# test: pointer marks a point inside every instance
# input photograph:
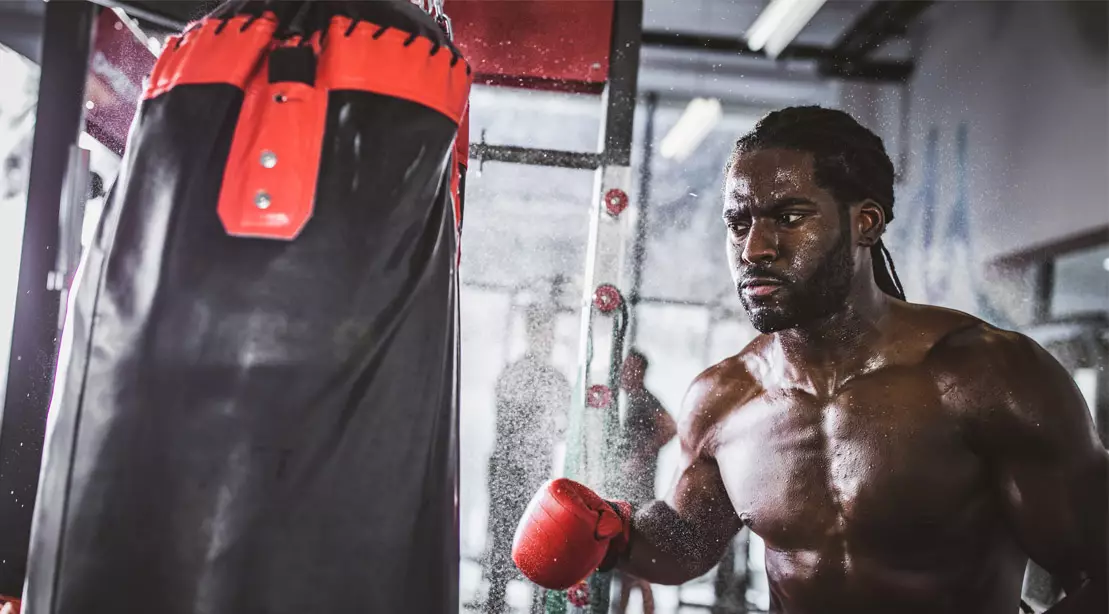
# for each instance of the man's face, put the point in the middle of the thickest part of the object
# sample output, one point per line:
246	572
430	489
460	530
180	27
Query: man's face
789	243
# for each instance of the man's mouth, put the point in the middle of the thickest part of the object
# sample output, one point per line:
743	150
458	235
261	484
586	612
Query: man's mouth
760	286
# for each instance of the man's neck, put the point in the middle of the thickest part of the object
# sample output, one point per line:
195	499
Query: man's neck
828	351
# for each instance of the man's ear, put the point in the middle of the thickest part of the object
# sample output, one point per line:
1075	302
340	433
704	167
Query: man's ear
870	222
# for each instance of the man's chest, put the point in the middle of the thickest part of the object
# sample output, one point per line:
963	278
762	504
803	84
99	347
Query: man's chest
882	463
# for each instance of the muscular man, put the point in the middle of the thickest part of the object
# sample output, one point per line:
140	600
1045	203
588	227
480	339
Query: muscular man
894	457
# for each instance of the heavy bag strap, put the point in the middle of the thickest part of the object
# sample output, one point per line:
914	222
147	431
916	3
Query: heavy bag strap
269	181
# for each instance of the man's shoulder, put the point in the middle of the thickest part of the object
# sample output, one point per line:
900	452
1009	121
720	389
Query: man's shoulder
719	391
946	337
1009	388
962	343
979	366
735	375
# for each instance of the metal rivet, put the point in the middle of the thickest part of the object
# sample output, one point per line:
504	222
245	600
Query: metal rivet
262	200
269	159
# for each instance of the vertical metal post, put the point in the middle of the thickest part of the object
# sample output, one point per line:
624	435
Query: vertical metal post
642	212
607	240
1045	284
594	421
67	41
623	82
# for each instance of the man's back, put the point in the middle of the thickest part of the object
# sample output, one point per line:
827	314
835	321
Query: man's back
871	492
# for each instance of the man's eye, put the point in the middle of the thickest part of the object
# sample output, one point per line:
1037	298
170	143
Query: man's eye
790	218
737	227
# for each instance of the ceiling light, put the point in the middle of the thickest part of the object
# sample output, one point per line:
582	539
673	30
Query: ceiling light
699	118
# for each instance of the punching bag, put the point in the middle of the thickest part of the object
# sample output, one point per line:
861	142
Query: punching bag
256	405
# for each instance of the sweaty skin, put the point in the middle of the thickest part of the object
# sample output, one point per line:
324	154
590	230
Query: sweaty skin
894	457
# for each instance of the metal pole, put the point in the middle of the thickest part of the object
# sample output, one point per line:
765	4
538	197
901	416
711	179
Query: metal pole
623	81
67	41
590	449
639	240
482	153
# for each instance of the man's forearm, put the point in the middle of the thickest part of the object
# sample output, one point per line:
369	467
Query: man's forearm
665	549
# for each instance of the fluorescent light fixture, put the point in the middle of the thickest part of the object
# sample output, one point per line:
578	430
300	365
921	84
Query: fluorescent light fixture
699	118
779	23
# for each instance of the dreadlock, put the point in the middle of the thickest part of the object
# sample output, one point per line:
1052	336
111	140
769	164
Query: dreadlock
848	160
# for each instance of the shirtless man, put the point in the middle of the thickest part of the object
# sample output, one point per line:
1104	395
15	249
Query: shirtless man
894	457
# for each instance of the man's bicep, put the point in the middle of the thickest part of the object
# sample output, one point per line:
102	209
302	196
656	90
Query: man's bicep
699	497
683	537
1050	467
1058	513
699	493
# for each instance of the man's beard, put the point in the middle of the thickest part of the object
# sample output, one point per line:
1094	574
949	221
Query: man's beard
800	301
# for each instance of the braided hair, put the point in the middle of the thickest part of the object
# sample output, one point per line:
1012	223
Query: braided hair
848	160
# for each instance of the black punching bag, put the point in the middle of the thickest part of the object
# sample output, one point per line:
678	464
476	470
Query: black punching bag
256	406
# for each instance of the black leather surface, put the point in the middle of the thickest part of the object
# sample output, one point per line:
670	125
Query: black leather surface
247	426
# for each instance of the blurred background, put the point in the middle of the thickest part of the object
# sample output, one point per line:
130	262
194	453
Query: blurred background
995	114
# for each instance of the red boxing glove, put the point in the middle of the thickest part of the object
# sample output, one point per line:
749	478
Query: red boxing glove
567	532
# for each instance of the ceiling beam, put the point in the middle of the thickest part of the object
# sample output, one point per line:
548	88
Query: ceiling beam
724	44
831	64
884	19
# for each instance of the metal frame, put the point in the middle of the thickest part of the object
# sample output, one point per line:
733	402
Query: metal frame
639	239
590	445
831	63
481	152
67	42
881	21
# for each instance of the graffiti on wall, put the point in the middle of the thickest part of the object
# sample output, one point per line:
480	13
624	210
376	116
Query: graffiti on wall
936	241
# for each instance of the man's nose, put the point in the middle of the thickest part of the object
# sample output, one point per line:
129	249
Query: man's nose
761	244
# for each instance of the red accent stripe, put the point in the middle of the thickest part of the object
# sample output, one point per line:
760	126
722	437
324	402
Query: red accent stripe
288	119
386	66
200	55
357	62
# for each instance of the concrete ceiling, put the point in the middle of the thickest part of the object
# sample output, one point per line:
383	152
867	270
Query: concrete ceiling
736	79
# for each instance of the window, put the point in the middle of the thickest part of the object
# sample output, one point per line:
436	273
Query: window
1080	283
